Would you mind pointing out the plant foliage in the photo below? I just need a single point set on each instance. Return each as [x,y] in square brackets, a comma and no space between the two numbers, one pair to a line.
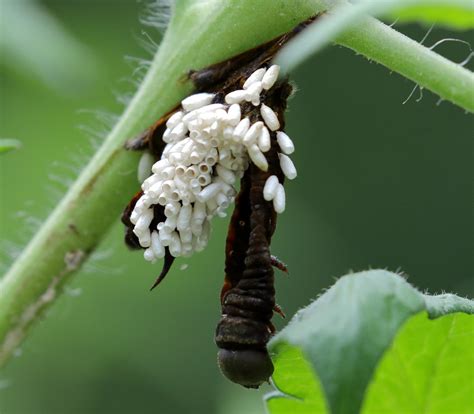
[371,341]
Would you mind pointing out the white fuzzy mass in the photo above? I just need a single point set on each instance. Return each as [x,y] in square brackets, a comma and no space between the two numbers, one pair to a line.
[209,147]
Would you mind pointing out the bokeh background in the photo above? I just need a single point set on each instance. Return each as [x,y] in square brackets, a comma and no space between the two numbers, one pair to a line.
[381,184]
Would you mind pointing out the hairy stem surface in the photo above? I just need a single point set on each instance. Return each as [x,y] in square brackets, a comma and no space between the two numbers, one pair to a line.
[379,42]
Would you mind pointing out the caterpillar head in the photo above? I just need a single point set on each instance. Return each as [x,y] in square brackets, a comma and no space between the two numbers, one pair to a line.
[247,367]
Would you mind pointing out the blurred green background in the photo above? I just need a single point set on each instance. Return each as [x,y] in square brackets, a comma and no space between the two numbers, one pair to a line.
[380,184]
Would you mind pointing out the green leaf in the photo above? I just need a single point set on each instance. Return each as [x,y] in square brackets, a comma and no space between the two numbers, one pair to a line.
[427,370]
[293,369]
[346,330]
[330,351]
[9,144]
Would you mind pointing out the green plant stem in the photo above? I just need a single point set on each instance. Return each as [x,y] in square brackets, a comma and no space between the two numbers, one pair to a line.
[198,35]
[381,43]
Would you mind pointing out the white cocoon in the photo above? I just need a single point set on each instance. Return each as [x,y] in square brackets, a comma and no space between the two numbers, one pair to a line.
[174,119]
[254,77]
[184,217]
[208,192]
[270,117]
[160,165]
[285,143]
[241,128]
[279,200]
[270,77]
[253,132]
[233,114]
[270,188]
[236,97]
[170,223]
[287,166]
[175,245]
[227,175]
[196,101]
[156,246]
[264,142]
[258,158]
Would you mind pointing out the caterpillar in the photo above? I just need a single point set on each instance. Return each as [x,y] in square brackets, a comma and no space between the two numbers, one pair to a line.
[248,295]
[231,129]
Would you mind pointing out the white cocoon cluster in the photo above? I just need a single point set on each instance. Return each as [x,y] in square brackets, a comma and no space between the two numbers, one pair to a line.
[209,147]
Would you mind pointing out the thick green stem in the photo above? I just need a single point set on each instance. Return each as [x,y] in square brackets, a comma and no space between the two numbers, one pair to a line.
[401,54]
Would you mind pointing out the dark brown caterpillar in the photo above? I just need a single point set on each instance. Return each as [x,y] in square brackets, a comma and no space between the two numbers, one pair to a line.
[248,294]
